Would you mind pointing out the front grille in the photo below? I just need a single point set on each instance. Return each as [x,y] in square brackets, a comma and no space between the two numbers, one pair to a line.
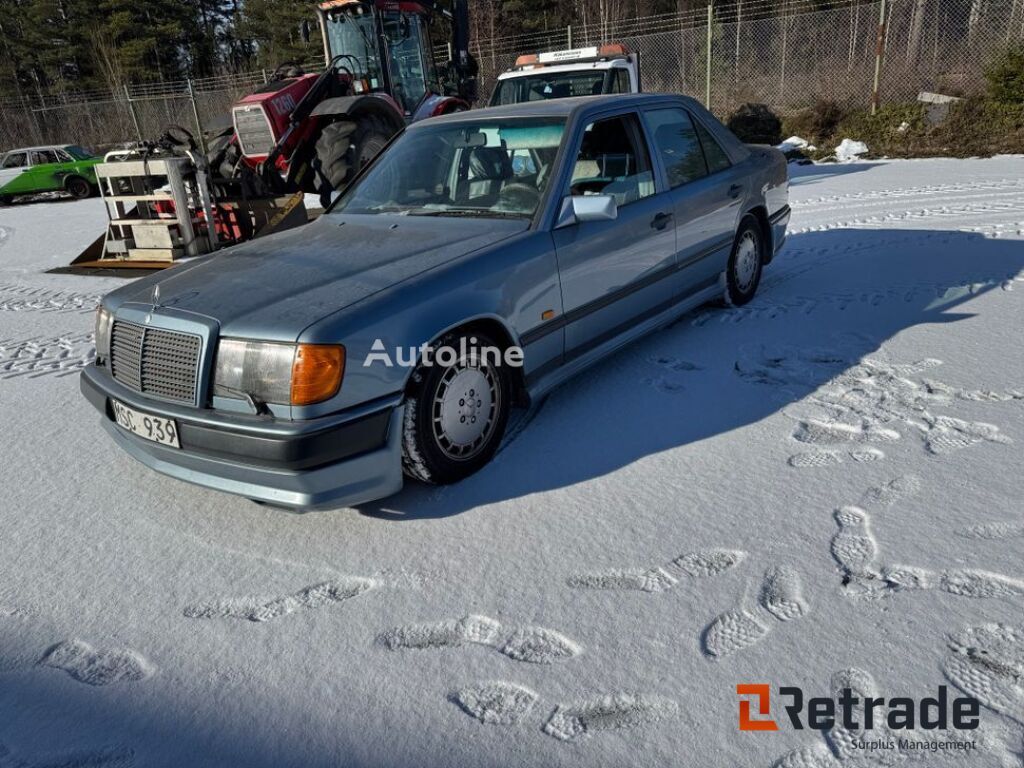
[253,131]
[154,361]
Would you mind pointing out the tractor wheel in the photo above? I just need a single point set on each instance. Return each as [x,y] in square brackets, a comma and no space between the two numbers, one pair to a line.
[345,146]
[78,187]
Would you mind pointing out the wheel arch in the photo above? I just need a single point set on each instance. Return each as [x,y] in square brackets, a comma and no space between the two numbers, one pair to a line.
[357,107]
[493,326]
[72,176]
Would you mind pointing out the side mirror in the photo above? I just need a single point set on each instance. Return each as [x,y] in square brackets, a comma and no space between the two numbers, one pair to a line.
[577,209]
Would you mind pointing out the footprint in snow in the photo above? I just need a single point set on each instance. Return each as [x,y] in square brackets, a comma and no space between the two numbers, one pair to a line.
[534,645]
[504,703]
[993,531]
[895,490]
[496,702]
[838,746]
[780,600]
[987,662]
[691,565]
[97,667]
[259,609]
[856,551]
[606,713]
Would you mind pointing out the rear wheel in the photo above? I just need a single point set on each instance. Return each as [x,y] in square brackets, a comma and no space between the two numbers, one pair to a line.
[78,188]
[5,199]
[345,146]
[743,274]
[455,414]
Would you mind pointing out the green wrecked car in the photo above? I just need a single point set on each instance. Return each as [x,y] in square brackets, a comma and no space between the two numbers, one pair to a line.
[61,167]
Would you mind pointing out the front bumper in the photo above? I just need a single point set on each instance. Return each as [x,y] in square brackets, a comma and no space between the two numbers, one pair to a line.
[331,461]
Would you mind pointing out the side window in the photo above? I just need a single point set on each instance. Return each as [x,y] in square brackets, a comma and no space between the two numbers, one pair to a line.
[44,156]
[676,140]
[16,160]
[716,157]
[63,157]
[613,160]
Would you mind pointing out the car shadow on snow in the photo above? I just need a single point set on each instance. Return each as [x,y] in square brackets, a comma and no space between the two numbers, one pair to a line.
[803,175]
[830,297]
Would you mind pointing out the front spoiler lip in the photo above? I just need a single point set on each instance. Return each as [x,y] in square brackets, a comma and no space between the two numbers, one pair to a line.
[355,481]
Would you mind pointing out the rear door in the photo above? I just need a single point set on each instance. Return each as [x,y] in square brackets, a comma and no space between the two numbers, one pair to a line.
[46,167]
[706,196]
[614,273]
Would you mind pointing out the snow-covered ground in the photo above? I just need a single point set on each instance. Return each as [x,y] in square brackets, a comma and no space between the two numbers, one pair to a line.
[820,489]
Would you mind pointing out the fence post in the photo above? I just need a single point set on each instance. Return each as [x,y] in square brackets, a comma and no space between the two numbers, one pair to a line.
[568,36]
[879,53]
[195,113]
[707,76]
[131,108]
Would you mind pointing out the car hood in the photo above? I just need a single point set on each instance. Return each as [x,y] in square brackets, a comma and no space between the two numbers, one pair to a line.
[276,286]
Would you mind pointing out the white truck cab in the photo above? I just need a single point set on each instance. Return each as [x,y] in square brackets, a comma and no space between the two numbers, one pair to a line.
[576,72]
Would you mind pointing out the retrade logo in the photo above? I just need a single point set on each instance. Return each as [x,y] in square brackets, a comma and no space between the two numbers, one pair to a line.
[762,695]
[857,713]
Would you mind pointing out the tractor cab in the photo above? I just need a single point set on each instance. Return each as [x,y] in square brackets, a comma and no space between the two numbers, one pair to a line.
[384,47]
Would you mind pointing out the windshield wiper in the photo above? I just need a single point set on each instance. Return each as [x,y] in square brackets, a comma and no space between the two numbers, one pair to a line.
[481,212]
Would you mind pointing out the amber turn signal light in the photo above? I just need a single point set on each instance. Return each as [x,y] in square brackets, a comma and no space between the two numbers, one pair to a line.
[317,373]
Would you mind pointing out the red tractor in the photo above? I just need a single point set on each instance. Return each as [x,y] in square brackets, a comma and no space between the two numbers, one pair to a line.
[297,134]
[313,131]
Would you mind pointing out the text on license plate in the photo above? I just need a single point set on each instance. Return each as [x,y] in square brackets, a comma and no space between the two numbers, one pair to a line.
[155,428]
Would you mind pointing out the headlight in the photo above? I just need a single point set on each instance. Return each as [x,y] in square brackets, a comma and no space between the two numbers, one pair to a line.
[104,319]
[270,372]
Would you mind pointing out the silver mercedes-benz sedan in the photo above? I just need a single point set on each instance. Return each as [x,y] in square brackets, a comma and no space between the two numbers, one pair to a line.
[481,260]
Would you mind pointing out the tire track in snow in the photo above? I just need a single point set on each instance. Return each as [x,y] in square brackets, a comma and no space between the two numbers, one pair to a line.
[24,298]
[46,355]
[929,190]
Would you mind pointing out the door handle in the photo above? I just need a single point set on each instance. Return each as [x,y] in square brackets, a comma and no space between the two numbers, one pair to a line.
[661,220]
[734,190]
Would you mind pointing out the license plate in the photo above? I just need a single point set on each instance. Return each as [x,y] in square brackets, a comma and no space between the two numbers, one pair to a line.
[155,428]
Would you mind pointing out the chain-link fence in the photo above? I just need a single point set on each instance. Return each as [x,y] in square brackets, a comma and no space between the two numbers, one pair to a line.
[786,53]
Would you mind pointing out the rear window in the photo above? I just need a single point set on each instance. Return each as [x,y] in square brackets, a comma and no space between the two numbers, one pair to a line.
[713,152]
[78,153]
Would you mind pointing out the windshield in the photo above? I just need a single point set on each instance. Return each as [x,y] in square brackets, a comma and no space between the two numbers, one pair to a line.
[406,38]
[488,169]
[540,86]
[355,35]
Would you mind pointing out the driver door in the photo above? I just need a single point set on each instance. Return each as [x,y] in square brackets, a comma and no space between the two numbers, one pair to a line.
[614,273]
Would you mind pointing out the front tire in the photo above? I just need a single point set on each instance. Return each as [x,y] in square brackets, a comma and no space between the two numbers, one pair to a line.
[455,415]
[345,146]
[78,188]
[743,273]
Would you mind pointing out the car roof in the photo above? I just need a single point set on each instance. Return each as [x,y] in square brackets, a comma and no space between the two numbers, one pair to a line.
[569,66]
[565,107]
[36,149]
